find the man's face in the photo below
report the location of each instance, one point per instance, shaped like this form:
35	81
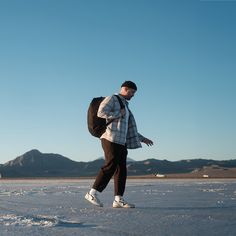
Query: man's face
129	93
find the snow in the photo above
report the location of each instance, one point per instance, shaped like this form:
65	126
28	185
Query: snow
163	207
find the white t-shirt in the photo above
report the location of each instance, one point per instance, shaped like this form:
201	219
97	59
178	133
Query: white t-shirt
126	119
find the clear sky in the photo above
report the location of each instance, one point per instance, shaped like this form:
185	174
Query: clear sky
56	55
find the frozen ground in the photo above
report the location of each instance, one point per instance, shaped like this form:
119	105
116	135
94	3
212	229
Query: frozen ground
163	207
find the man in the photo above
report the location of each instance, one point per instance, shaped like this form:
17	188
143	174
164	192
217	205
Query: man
120	135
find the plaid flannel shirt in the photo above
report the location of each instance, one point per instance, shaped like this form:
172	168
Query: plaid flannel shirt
116	130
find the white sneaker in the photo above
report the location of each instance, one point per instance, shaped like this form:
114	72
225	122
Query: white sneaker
122	204
93	199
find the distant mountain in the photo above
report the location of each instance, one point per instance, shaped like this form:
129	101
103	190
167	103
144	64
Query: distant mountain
151	166
38	160
37	164
128	159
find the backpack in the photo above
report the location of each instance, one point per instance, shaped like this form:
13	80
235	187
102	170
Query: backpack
96	125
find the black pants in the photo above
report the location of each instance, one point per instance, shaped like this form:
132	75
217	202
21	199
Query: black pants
115	164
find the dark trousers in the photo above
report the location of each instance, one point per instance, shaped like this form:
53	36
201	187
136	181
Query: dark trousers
115	164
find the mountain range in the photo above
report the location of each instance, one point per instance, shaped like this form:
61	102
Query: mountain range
36	164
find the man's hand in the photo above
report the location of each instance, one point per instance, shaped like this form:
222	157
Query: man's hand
147	141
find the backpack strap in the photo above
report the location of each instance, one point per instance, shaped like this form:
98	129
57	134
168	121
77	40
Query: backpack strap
121	107
121	103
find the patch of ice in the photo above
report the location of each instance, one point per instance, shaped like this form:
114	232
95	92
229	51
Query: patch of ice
44	221
40	220
212	190
220	202
41	191
155	192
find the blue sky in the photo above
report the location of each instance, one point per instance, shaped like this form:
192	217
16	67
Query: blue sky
56	55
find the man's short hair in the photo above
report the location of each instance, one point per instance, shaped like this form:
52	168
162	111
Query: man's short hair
129	84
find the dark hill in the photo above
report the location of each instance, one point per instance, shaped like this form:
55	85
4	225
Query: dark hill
37	164
38	160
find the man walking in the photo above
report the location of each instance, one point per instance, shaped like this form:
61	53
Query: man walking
121	134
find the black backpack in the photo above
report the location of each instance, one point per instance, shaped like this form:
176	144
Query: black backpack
96	125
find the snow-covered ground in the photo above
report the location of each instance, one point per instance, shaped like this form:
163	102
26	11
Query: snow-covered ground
163	207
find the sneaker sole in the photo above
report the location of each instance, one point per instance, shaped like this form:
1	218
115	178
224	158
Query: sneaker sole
118	206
